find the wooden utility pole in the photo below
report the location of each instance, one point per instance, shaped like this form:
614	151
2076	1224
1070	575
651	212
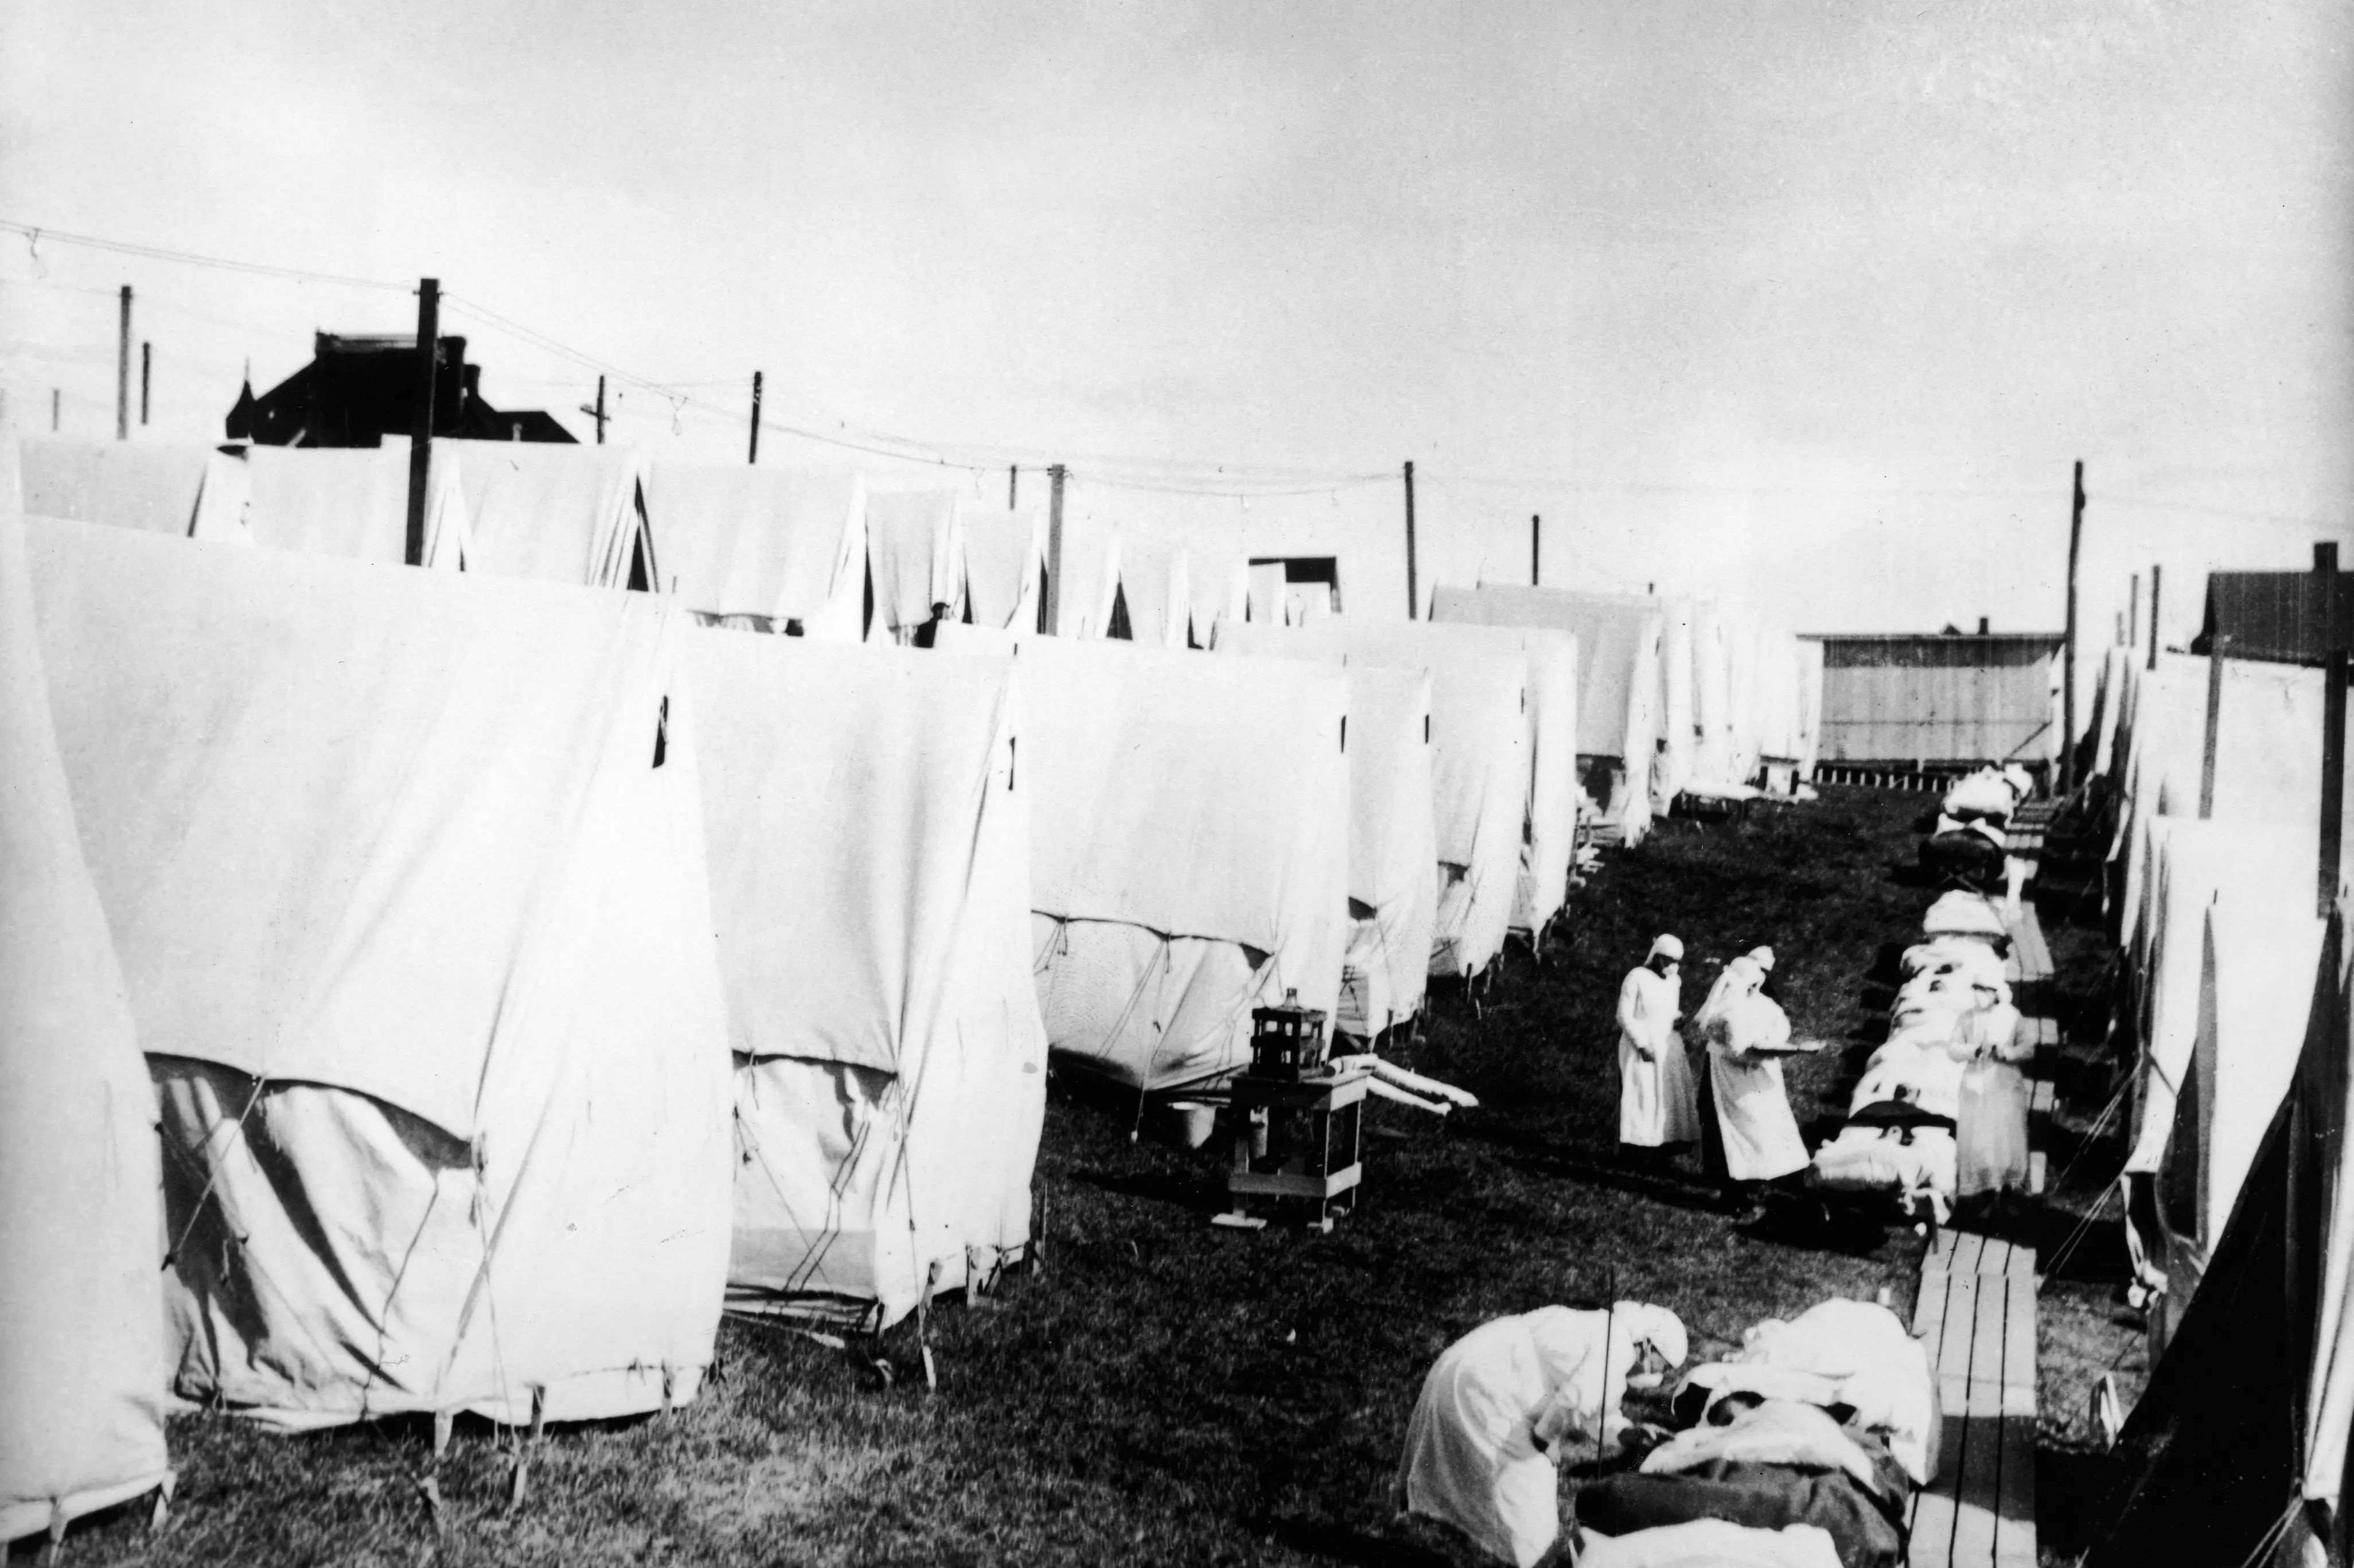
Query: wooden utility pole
420	434
146	376
1536	558
2333	730
1012	485
2215	649
1054	476
597	411
754	454
2156	578
1412	599
2068	657
122	372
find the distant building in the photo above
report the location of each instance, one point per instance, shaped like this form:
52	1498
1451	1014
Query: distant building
2286	618
357	390
1923	699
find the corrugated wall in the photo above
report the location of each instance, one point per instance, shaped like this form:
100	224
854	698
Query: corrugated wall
1936	699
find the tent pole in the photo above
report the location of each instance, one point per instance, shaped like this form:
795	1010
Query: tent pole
1012	485
1535	550
1054	476
122	372
2156	576
146	376
420	438
2068	676
1411	597
753	455
2215	648
2133	621
2333	732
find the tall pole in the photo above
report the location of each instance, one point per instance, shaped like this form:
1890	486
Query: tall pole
2068	670
146	376
1535	548
122	372
2133	621
2156	578
2215	647
53	410
754	454
1412	598
1055	550
1012	485
597	411
2333	732
420	434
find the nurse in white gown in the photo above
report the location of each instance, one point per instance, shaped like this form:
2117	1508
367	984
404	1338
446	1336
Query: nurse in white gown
1657	1104
1502	1404
1746	1034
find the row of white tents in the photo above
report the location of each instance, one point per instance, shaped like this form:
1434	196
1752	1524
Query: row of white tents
2234	1002
521	972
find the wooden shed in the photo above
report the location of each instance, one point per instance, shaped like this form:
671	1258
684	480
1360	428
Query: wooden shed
1920	699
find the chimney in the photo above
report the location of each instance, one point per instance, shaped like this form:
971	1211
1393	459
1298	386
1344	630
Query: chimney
1982	626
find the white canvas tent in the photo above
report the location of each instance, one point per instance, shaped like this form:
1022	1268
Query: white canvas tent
1393	850
1090	582
1156	586
1189	849
555	512
764	547
871	883
81	1357
2238	1450
1679	753
1478	756
2267	757
2224	988
1004	566
351	501
915	553
186	491
407	876
1619	696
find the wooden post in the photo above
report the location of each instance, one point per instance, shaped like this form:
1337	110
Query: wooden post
2133	621
146	376
2215	648
753	455
1412	598
1054	476
122	372
2155	578
1536	557
2068	657
421	435
1012	485
597	411
53	410
2333	733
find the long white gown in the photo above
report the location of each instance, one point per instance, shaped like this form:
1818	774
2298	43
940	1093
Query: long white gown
1471	1457
1752	1107
1658	1103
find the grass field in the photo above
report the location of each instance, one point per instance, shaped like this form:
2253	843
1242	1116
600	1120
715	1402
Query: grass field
1169	1392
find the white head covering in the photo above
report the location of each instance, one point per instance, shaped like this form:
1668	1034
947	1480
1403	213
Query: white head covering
1656	1326
1673	947
1763	957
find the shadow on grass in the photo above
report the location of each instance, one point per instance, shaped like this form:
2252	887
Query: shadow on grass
2069	1486
1340	1542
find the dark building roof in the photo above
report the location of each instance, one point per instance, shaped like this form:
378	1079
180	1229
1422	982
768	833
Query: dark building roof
2281	617
1937	650
357	390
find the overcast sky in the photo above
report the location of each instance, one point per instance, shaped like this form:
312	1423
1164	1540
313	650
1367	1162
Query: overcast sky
1815	303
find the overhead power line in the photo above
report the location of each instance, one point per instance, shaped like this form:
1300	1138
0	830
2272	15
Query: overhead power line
37	234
